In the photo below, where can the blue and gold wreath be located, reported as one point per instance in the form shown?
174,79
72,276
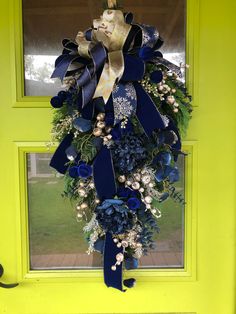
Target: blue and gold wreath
119,122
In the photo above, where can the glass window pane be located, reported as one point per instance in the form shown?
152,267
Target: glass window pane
57,240
47,22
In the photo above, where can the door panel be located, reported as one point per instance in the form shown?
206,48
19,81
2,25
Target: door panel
206,284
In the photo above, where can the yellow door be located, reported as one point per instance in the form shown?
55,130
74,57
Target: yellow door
206,283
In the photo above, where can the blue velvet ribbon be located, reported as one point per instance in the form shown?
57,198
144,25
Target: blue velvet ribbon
112,278
147,112
104,176
59,159
104,179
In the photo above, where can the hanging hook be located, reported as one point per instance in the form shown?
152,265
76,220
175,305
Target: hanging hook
4,285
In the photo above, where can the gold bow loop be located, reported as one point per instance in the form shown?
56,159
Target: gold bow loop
112,30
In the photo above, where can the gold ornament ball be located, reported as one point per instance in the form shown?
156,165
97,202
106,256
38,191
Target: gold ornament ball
101,124
82,192
146,179
170,100
113,267
97,132
137,176
84,205
121,179
148,199
124,243
120,257
101,116
135,185
176,110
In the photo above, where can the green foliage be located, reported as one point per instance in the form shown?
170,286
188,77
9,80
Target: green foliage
84,145
70,185
182,117
59,114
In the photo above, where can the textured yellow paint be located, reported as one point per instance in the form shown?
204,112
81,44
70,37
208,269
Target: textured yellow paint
211,53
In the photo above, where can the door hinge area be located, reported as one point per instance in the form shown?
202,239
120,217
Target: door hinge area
4,285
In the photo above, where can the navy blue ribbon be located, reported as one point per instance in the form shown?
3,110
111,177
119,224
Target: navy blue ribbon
104,176
112,278
59,159
147,112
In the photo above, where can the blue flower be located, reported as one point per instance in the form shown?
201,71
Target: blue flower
156,76
84,171
133,203
128,153
163,158
73,172
126,192
167,172
56,102
62,94
114,216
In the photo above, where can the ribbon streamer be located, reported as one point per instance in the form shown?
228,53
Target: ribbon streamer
104,176
112,278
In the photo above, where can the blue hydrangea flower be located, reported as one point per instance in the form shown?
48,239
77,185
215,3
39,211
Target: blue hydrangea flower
114,216
128,153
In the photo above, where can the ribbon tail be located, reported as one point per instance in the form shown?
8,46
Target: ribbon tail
63,65
59,159
147,112
169,65
112,278
104,175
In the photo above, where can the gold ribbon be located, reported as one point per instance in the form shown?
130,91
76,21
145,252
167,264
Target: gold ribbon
116,31
111,4
112,31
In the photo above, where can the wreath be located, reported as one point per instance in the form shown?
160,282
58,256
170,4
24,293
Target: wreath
119,121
